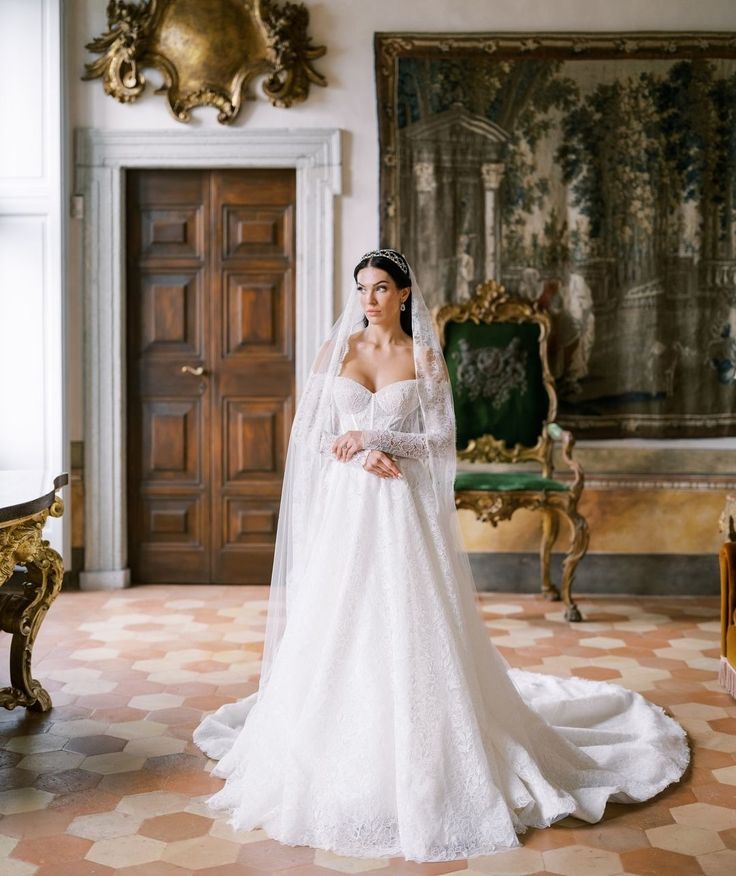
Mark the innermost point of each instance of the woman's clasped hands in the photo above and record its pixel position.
(377, 462)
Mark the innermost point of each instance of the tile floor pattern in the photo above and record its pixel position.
(109, 781)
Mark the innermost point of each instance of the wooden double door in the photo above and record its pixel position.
(210, 351)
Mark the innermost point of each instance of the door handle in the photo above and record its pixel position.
(189, 369)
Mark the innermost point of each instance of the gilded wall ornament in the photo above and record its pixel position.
(208, 53)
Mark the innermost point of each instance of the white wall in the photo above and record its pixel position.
(346, 27)
(32, 415)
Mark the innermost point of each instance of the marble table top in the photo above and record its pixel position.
(27, 491)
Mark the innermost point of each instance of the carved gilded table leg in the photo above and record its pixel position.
(578, 547)
(550, 528)
(22, 613)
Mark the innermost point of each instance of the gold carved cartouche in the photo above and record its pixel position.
(208, 52)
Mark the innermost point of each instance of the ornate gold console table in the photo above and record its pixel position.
(27, 498)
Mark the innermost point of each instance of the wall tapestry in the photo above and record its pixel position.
(595, 173)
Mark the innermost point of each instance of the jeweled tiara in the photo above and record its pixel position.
(395, 257)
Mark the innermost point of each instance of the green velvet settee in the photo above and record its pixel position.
(505, 404)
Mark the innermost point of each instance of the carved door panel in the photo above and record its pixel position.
(210, 370)
(253, 353)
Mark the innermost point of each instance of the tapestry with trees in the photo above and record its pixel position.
(595, 174)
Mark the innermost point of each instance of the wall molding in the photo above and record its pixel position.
(101, 158)
(601, 574)
(697, 483)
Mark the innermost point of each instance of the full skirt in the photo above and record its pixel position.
(392, 726)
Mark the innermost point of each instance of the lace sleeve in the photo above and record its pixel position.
(408, 444)
(413, 445)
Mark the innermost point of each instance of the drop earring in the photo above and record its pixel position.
(403, 305)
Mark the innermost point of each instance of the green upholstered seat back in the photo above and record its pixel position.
(496, 376)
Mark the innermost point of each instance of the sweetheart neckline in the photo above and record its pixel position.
(370, 391)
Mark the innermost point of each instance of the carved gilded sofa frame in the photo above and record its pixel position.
(492, 304)
(22, 611)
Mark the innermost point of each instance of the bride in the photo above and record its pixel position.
(386, 723)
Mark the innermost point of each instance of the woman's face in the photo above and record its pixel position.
(380, 296)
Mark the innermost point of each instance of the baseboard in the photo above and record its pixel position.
(71, 575)
(636, 574)
(115, 579)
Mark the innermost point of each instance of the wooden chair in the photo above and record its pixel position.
(505, 404)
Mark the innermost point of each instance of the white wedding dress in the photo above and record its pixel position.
(390, 724)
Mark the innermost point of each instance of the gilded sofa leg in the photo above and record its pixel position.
(578, 547)
(46, 572)
(550, 528)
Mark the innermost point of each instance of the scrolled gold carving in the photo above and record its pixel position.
(495, 506)
(291, 54)
(491, 507)
(568, 442)
(19, 543)
(486, 448)
(21, 613)
(492, 303)
(208, 53)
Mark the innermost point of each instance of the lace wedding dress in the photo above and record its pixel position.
(390, 724)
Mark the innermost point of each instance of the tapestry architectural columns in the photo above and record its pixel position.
(492, 173)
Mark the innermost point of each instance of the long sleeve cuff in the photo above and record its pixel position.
(412, 445)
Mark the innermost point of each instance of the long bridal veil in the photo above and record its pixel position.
(386, 721)
(304, 463)
(303, 468)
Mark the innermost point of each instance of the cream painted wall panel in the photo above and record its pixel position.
(347, 27)
(22, 64)
(22, 245)
(33, 427)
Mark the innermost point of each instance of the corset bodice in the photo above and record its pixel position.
(388, 408)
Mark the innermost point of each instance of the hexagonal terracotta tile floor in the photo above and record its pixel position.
(109, 781)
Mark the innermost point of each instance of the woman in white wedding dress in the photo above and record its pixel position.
(386, 722)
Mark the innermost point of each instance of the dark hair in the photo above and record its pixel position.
(400, 277)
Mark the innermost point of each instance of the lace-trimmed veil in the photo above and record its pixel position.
(463, 752)
(304, 463)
